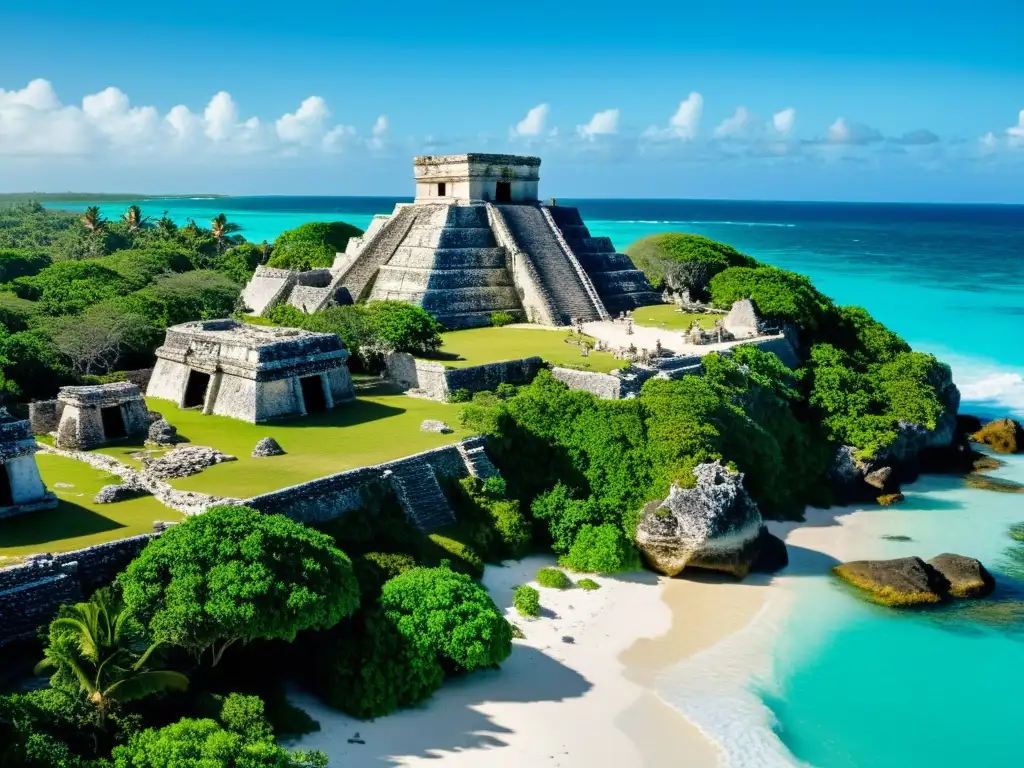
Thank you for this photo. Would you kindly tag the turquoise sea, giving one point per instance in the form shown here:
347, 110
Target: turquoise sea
846, 684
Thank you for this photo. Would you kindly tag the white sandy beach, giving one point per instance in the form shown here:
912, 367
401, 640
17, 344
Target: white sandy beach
645, 651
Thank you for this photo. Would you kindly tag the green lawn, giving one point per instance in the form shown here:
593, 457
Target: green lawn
668, 315
477, 346
77, 522
382, 424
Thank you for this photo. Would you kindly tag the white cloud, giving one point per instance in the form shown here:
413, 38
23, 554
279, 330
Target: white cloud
603, 123
684, 124
736, 127
35, 123
988, 140
378, 132
841, 132
532, 124
784, 121
1016, 132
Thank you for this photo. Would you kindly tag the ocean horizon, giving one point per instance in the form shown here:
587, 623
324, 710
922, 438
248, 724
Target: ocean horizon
865, 687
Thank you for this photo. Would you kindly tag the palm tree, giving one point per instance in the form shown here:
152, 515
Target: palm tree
92, 642
166, 225
133, 218
93, 220
222, 228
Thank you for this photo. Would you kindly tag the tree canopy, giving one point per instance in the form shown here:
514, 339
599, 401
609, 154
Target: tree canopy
311, 245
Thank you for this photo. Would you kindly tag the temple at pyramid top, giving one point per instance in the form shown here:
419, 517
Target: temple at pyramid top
475, 241
476, 178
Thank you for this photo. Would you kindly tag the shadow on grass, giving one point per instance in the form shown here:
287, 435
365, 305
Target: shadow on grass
66, 521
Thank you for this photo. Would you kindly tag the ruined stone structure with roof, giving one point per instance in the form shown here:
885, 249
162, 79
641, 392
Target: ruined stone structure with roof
476, 240
91, 416
21, 487
250, 372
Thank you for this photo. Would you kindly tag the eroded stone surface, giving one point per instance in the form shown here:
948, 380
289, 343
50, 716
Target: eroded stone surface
110, 494
909, 581
1002, 436
433, 425
268, 446
966, 576
183, 461
162, 433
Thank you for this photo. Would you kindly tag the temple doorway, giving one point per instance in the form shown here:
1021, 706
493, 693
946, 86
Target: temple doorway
313, 394
503, 192
195, 390
6, 496
113, 422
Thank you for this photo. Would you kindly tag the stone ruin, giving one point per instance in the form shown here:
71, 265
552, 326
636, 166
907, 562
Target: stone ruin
92, 416
250, 372
475, 241
21, 487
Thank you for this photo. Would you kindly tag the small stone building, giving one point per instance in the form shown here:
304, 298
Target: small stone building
250, 372
91, 416
21, 487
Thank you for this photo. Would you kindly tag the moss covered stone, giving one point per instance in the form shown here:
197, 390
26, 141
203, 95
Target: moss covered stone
1002, 436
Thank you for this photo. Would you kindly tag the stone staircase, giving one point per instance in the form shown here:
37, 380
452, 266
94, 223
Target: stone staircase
421, 496
619, 283
570, 289
477, 461
358, 278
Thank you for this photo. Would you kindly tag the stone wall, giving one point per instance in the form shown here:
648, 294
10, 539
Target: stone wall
44, 415
603, 385
30, 594
430, 379
327, 498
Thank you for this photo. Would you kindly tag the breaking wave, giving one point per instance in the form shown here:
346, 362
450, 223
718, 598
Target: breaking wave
699, 222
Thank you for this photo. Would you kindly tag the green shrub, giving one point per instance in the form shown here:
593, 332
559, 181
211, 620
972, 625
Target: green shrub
776, 293
374, 568
239, 263
21, 262
461, 395
601, 549
526, 600
466, 559
69, 287
553, 578
402, 327
588, 585
681, 261
506, 390
311, 245
17, 314
449, 614
565, 516
367, 668
494, 523
500, 319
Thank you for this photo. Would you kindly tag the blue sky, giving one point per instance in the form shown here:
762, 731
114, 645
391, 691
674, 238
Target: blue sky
870, 101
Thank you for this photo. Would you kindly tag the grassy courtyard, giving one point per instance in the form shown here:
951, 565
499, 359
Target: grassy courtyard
669, 317
77, 522
478, 346
382, 424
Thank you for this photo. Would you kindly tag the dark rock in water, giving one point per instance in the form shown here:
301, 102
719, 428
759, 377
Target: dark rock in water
966, 576
899, 582
110, 494
982, 462
715, 525
890, 537
268, 446
161, 433
772, 555
1002, 436
888, 499
989, 483
908, 581
967, 424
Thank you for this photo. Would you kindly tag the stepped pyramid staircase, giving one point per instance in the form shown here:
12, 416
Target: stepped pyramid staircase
358, 277
572, 292
477, 461
421, 496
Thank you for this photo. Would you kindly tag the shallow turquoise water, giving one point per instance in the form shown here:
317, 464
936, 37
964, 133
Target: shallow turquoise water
852, 684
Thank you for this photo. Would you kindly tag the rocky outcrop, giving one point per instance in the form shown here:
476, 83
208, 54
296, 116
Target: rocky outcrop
965, 576
110, 494
1002, 436
268, 446
183, 461
433, 425
908, 581
161, 433
743, 322
715, 526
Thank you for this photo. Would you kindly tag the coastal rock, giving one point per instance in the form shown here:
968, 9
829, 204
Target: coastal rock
899, 582
880, 478
989, 483
715, 525
771, 553
1002, 436
109, 494
888, 499
433, 425
268, 446
966, 576
967, 424
183, 461
909, 581
847, 477
161, 433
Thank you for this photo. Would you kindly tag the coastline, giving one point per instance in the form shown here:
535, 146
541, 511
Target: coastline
571, 704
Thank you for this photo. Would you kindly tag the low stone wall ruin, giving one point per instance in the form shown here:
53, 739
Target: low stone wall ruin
44, 415
432, 380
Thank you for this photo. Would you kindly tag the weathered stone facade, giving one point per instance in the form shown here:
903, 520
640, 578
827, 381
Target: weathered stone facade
21, 487
476, 241
94, 415
44, 415
432, 380
250, 372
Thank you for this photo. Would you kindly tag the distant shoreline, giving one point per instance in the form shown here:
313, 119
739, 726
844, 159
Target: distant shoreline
83, 197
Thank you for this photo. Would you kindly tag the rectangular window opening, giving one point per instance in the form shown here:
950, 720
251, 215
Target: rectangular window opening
195, 390
503, 192
442, 189
6, 495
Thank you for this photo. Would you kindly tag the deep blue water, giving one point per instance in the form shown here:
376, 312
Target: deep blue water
854, 685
